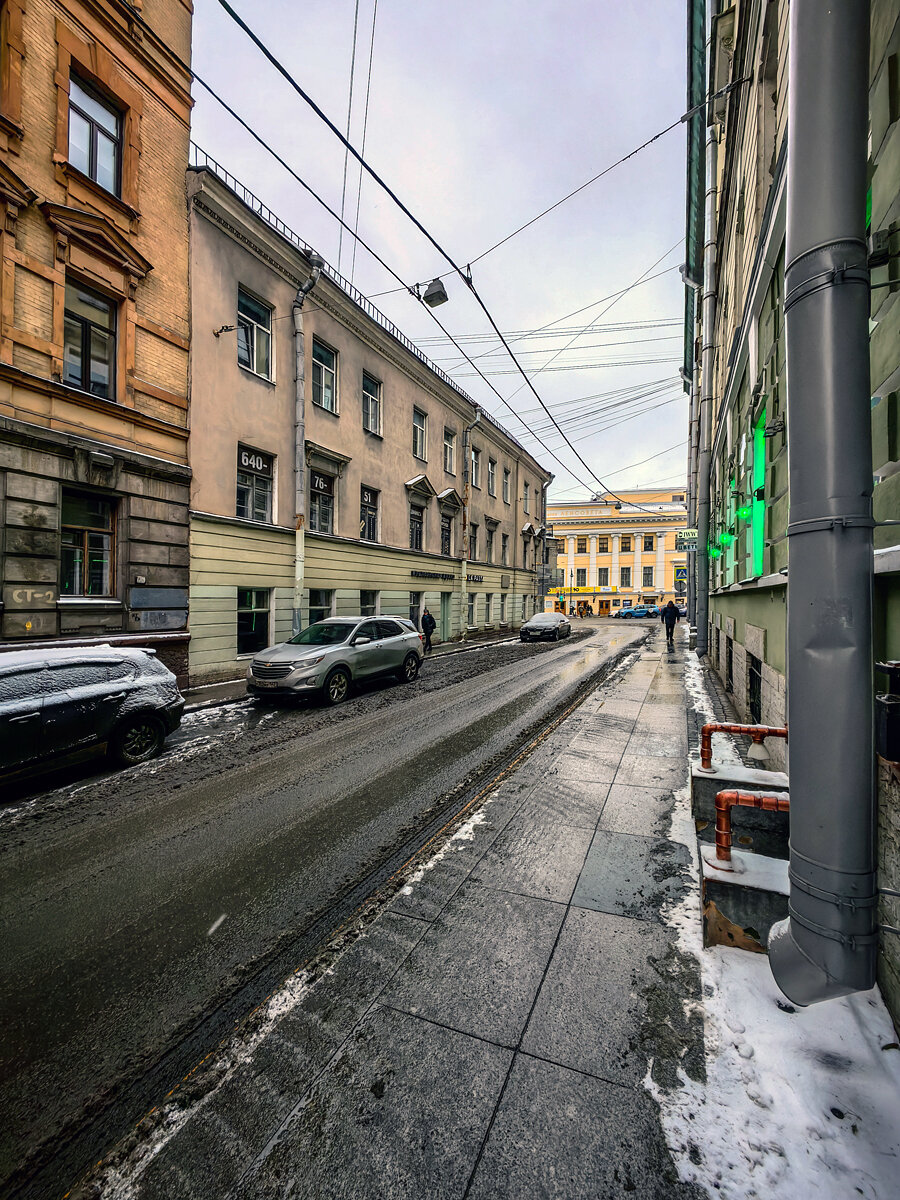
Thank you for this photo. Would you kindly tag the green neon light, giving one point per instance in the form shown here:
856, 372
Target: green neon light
725, 539
758, 516
744, 512
714, 552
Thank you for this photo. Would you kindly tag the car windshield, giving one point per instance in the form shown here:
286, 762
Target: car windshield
544, 619
322, 634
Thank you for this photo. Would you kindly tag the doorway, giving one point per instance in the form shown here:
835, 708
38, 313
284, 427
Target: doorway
446, 597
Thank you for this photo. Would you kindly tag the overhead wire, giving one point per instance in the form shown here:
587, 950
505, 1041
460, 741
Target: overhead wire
363, 143
349, 115
464, 276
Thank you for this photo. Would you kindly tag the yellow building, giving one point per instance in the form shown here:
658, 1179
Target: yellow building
616, 551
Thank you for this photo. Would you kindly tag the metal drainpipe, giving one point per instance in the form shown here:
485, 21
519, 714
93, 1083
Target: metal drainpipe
827, 947
693, 453
316, 265
707, 356
463, 599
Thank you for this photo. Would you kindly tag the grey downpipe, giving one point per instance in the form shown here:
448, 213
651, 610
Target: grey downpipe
707, 353
827, 946
316, 265
464, 563
693, 453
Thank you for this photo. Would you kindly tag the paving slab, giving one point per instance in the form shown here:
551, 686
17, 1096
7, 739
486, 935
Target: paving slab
479, 965
632, 876
584, 768
536, 857
569, 801
611, 1001
648, 771
400, 1114
643, 811
660, 742
606, 1141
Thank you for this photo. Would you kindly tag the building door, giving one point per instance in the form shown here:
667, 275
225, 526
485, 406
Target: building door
446, 598
603, 607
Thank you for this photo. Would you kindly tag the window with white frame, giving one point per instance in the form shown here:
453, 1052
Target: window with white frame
419, 433
525, 501
321, 502
95, 136
254, 335
449, 451
648, 577
371, 404
255, 480
504, 549
368, 514
321, 603
581, 577
648, 541
503, 608
603, 545
581, 545
603, 577
253, 611
626, 543
470, 613
476, 468
368, 603
625, 577
506, 474
324, 376
492, 477
489, 608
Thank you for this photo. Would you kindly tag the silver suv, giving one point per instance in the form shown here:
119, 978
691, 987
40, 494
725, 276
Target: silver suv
331, 654
53, 702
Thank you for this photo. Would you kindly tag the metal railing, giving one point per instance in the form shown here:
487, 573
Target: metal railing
200, 160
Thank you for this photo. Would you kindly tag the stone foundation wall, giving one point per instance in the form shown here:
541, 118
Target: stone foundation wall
889, 877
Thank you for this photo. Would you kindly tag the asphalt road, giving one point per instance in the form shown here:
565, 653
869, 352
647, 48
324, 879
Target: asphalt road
145, 912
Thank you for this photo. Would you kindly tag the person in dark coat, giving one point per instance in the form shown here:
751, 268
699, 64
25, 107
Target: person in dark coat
428, 627
669, 618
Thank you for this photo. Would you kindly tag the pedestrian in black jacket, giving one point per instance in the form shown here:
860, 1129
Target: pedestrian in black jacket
669, 618
428, 627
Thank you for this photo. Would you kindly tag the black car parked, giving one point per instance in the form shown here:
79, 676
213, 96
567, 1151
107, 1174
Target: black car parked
546, 626
53, 702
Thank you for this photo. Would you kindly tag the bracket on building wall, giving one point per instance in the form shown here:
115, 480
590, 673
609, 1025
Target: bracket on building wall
224, 329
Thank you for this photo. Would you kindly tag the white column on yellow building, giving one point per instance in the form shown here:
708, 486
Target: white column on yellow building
592, 563
638, 553
614, 574
570, 565
660, 578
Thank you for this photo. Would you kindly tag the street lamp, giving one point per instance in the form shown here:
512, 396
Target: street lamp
571, 590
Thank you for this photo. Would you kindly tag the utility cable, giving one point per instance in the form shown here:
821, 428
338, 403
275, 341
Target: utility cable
363, 143
349, 115
464, 276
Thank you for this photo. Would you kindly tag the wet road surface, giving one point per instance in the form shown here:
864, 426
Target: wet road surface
145, 912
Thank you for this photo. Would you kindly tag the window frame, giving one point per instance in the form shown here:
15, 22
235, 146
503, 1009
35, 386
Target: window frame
647, 549
314, 508
316, 376
625, 544
492, 477
526, 500
87, 329
603, 545
419, 434
581, 577
488, 544
475, 467
84, 567
473, 542
258, 476
506, 479
373, 604
450, 450
646, 578
603, 577
447, 528
95, 130
504, 549
254, 328
368, 399
417, 527
625, 577
370, 508
326, 609
253, 608
581, 545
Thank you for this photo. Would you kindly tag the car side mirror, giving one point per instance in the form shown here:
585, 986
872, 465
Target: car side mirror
361, 641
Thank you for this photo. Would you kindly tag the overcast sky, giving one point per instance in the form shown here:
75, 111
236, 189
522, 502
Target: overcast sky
482, 113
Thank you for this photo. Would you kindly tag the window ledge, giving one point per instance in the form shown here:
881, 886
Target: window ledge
372, 434
115, 202
256, 375
321, 407
90, 601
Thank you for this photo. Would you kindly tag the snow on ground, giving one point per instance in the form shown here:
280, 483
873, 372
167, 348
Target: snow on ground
465, 833
724, 751
797, 1102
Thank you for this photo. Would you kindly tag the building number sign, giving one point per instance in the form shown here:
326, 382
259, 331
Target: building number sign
254, 460
368, 497
323, 484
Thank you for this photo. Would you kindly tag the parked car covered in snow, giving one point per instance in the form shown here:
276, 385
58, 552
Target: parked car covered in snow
53, 702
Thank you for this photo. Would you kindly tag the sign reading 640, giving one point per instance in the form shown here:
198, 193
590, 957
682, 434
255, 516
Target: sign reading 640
255, 460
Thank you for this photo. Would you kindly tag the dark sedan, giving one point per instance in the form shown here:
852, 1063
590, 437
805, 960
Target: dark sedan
547, 627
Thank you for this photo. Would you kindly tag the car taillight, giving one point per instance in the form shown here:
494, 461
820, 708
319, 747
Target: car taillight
421, 639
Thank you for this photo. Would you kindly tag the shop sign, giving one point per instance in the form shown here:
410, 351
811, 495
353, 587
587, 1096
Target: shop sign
685, 539
432, 575
474, 579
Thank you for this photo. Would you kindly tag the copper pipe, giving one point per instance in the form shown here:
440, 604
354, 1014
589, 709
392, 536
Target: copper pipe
758, 733
725, 802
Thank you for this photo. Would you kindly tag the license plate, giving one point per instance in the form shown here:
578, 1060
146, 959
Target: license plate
266, 682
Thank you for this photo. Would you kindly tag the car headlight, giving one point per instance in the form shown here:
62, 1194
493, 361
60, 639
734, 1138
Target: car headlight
307, 662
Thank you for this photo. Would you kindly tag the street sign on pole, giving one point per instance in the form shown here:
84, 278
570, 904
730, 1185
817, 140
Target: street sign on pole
685, 539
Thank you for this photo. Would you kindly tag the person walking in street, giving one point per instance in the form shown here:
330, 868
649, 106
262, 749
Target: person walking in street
669, 618
428, 627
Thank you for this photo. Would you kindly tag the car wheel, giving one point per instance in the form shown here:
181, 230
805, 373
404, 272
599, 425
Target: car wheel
410, 669
137, 741
337, 686
556, 635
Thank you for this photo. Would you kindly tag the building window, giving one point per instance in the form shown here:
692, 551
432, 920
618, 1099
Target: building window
492, 477
254, 335
525, 500
489, 545
603, 577
254, 485
581, 545
253, 606
626, 543
368, 603
506, 485
416, 526
503, 608
415, 608
489, 608
476, 468
320, 604
678, 499
648, 541
371, 404
87, 545
581, 577
473, 541
614, 602
368, 514
470, 616
95, 136
324, 377
446, 534
449, 451
603, 545
321, 502
625, 577
648, 577
754, 688
89, 352
419, 430
504, 549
